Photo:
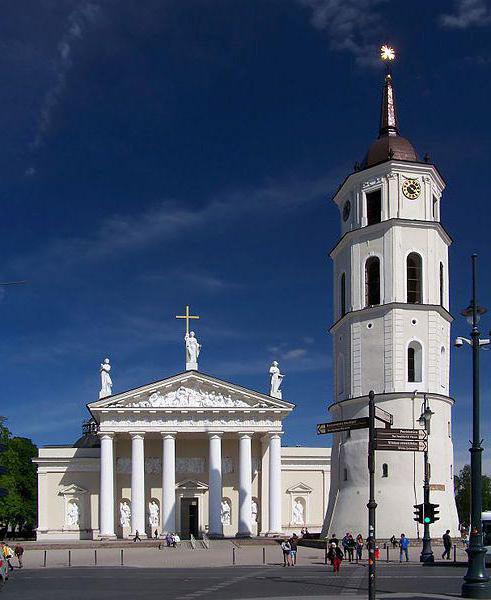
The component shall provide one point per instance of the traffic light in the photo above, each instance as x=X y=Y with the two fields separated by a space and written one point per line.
x=419 y=513
x=430 y=513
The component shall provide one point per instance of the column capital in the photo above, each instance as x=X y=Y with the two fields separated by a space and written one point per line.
x=106 y=435
x=136 y=435
x=272 y=435
x=215 y=434
x=168 y=434
x=245 y=434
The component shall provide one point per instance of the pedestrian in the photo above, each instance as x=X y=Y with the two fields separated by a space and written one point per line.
x=175 y=540
x=156 y=535
x=8 y=554
x=137 y=537
x=285 y=547
x=345 y=543
x=359 y=546
x=403 y=546
x=335 y=556
x=394 y=541
x=376 y=553
x=293 y=549
x=464 y=534
x=334 y=540
x=351 y=548
x=447 y=544
x=19 y=551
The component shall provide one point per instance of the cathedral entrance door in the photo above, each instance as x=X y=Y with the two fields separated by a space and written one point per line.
x=189 y=517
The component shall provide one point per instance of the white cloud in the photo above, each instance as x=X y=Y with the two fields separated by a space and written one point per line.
x=468 y=13
x=295 y=353
x=350 y=25
x=78 y=21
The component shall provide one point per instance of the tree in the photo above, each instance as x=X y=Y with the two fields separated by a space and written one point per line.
x=18 y=509
x=463 y=493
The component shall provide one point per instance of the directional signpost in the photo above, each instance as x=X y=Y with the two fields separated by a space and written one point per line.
x=335 y=426
x=403 y=440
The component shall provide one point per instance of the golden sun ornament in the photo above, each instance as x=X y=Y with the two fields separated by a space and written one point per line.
x=387 y=53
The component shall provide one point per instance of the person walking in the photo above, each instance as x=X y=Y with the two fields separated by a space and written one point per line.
x=137 y=537
x=19 y=551
x=293 y=549
x=8 y=554
x=359 y=546
x=335 y=556
x=334 y=539
x=394 y=541
x=447 y=544
x=345 y=543
x=285 y=547
x=403 y=546
x=351 y=548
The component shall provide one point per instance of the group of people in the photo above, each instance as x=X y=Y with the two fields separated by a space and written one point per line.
x=290 y=549
x=349 y=545
x=8 y=554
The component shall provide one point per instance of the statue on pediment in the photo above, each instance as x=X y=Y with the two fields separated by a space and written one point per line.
x=276 y=380
x=106 y=381
x=192 y=351
x=226 y=512
x=124 y=513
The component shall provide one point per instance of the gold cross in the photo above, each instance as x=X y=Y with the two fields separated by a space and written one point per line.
x=187 y=316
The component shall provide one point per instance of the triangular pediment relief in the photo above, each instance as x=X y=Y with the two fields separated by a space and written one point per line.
x=72 y=490
x=191 y=484
x=299 y=488
x=191 y=390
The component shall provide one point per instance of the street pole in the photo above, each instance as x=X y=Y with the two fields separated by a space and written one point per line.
x=476 y=581
x=426 y=552
x=372 y=505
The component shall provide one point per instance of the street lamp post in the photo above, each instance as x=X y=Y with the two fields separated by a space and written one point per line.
x=424 y=420
x=476 y=581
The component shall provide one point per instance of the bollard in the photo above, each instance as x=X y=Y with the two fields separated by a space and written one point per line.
x=233 y=555
x=325 y=554
x=69 y=558
x=387 y=553
x=454 y=553
x=122 y=562
x=44 y=563
x=264 y=555
x=95 y=557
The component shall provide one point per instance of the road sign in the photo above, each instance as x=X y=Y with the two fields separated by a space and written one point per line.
x=383 y=415
x=336 y=426
x=401 y=434
x=414 y=445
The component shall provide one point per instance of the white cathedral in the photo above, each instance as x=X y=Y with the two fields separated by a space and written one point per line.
x=194 y=454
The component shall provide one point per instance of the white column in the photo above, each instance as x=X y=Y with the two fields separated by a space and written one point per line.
x=137 y=484
x=42 y=501
x=168 y=483
x=245 y=485
x=106 y=504
x=215 y=486
x=274 y=483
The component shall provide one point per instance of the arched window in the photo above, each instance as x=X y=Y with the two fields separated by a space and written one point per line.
x=441 y=284
x=372 y=281
x=414 y=362
x=342 y=292
x=385 y=470
x=374 y=207
x=414 y=269
x=443 y=367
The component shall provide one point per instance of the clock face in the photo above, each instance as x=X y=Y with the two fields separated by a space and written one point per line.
x=411 y=188
x=346 y=210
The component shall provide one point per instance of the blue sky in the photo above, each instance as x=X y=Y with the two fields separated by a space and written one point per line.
x=159 y=153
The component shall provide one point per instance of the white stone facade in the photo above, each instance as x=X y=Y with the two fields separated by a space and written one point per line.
x=394 y=340
x=171 y=455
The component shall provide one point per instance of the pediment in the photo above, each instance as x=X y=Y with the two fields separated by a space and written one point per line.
x=299 y=488
x=191 y=484
x=72 y=490
x=191 y=390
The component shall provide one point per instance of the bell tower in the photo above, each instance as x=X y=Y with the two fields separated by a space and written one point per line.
x=391 y=333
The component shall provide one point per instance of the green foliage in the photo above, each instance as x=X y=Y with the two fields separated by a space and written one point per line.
x=463 y=493
x=19 y=507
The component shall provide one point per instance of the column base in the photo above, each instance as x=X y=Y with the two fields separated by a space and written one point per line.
x=243 y=535
x=109 y=536
x=275 y=534
x=216 y=536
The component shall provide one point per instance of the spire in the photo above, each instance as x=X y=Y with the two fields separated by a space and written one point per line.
x=388 y=115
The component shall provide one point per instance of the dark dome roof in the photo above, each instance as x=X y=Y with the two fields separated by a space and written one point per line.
x=88 y=440
x=390 y=147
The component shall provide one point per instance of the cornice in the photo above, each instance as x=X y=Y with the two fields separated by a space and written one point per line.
x=392 y=396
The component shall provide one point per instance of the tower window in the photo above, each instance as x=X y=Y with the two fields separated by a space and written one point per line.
x=413 y=275
x=435 y=208
x=441 y=284
x=414 y=362
x=343 y=294
x=385 y=470
x=443 y=367
x=340 y=375
x=374 y=207
x=372 y=281
x=345 y=474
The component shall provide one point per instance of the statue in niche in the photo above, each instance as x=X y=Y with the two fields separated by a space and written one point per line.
x=73 y=514
x=276 y=380
x=298 y=517
x=254 y=511
x=124 y=514
x=192 y=351
x=153 y=514
x=106 y=381
x=226 y=512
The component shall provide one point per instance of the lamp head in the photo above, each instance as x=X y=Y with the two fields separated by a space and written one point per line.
x=459 y=342
x=468 y=313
